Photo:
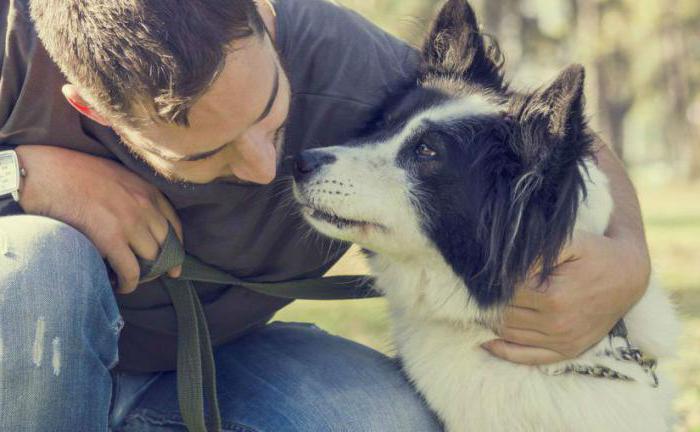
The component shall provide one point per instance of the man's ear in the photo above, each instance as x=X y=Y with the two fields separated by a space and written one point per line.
x=456 y=48
x=74 y=98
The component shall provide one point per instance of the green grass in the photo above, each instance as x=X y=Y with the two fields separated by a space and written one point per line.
x=672 y=217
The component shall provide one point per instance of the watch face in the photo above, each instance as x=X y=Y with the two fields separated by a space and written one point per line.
x=9 y=178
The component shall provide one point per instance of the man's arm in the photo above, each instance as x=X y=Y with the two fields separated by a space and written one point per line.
x=119 y=212
x=626 y=220
x=599 y=279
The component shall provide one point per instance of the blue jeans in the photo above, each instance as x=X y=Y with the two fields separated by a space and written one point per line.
x=59 y=326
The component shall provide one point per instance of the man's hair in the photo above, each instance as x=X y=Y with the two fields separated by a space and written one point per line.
x=132 y=56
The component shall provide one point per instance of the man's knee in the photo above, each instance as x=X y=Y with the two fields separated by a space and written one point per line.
x=48 y=263
x=55 y=294
x=308 y=379
x=42 y=238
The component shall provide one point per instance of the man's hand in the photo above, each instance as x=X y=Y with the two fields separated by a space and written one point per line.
x=597 y=282
x=120 y=213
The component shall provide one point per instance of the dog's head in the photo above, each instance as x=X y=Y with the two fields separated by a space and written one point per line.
x=459 y=166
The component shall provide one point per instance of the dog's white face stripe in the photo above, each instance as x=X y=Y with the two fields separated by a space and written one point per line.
x=468 y=106
x=471 y=105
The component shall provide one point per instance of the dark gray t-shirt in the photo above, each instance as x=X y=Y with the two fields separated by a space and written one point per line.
x=340 y=67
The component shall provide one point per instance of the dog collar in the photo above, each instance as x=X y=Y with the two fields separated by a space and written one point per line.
x=617 y=360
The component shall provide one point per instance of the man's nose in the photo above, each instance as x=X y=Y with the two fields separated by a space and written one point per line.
x=254 y=159
x=308 y=162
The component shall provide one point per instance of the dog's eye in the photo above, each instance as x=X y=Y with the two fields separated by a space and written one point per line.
x=424 y=151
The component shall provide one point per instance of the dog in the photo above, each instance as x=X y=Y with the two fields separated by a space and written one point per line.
x=458 y=193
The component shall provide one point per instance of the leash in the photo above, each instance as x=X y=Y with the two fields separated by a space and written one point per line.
x=196 y=372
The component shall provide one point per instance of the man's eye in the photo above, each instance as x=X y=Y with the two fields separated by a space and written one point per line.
x=424 y=151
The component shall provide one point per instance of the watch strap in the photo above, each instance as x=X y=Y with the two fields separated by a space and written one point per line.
x=9 y=202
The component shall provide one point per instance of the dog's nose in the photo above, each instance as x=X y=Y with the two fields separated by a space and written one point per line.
x=308 y=162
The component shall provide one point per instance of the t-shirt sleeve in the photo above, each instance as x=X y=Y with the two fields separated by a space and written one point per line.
x=5 y=77
x=7 y=206
x=335 y=52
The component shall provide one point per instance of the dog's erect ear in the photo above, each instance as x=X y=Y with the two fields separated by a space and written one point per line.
x=564 y=98
x=553 y=121
x=456 y=48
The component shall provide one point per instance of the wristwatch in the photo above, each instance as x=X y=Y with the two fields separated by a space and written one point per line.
x=10 y=174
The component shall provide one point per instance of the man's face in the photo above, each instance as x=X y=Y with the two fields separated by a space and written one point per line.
x=236 y=127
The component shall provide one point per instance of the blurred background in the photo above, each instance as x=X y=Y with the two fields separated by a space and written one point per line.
x=642 y=59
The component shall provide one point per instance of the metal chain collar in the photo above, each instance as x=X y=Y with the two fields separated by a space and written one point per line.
x=631 y=354
x=621 y=349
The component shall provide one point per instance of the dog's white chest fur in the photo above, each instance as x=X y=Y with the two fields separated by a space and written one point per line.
x=438 y=332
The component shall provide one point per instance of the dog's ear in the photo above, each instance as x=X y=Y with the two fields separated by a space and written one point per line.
x=456 y=48
x=552 y=122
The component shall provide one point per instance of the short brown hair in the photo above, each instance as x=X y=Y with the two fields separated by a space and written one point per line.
x=161 y=54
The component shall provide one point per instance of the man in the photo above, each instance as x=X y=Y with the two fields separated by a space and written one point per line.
x=182 y=113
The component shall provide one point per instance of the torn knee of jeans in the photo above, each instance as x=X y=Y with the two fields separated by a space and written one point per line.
x=38 y=348
x=118 y=325
x=5 y=246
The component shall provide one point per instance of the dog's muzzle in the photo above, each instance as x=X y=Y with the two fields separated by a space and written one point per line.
x=309 y=162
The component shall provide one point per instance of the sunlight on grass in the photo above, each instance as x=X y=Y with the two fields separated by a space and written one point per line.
x=672 y=217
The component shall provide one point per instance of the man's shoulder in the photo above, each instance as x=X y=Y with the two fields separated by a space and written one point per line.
x=29 y=75
x=332 y=51
x=15 y=24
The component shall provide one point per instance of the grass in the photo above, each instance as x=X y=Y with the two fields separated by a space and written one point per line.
x=672 y=217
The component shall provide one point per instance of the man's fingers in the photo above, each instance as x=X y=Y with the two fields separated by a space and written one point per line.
x=523 y=318
x=531 y=294
x=169 y=213
x=145 y=244
x=175 y=272
x=521 y=354
x=159 y=229
x=124 y=263
x=171 y=218
x=524 y=337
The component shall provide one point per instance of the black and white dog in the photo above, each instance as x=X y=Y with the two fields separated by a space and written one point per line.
x=463 y=189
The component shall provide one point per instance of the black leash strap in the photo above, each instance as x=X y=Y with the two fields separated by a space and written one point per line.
x=196 y=372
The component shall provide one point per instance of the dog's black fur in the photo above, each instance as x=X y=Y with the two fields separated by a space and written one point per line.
x=502 y=194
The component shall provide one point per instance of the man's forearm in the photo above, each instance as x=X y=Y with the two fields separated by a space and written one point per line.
x=626 y=220
x=626 y=223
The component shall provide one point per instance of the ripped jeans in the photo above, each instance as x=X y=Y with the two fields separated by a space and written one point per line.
x=59 y=327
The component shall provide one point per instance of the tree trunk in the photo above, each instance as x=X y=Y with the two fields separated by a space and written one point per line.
x=694 y=170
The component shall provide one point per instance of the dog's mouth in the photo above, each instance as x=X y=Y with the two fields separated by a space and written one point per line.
x=337 y=221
